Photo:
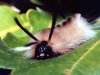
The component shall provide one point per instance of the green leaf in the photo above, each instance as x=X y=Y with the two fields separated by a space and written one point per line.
x=38 y=19
x=10 y=40
x=8 y=58
x=6 y=19
x=97 y=26
x=82 y=61
x=7 y=23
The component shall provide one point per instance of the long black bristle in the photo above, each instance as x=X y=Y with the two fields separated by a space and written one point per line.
x=26 y=31
x=54 y=18
x=31 y=43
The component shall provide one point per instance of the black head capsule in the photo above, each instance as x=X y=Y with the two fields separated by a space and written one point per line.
x=43 y=51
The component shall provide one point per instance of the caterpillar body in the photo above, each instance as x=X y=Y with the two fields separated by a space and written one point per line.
x=67 y=36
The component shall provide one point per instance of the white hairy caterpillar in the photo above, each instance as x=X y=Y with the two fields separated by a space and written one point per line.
x=66 y=36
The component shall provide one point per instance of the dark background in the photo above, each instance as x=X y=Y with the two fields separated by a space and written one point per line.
x=90 y=9
x=5 y=71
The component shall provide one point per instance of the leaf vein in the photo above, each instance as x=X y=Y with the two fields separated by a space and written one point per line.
x=90 y=49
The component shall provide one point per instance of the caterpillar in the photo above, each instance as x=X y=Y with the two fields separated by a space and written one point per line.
x=66 y=36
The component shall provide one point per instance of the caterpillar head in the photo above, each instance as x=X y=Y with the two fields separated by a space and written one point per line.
x=43 y=51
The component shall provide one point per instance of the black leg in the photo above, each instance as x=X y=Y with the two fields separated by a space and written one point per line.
x=54 y=18
x=31 y=43
x=26 y=31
